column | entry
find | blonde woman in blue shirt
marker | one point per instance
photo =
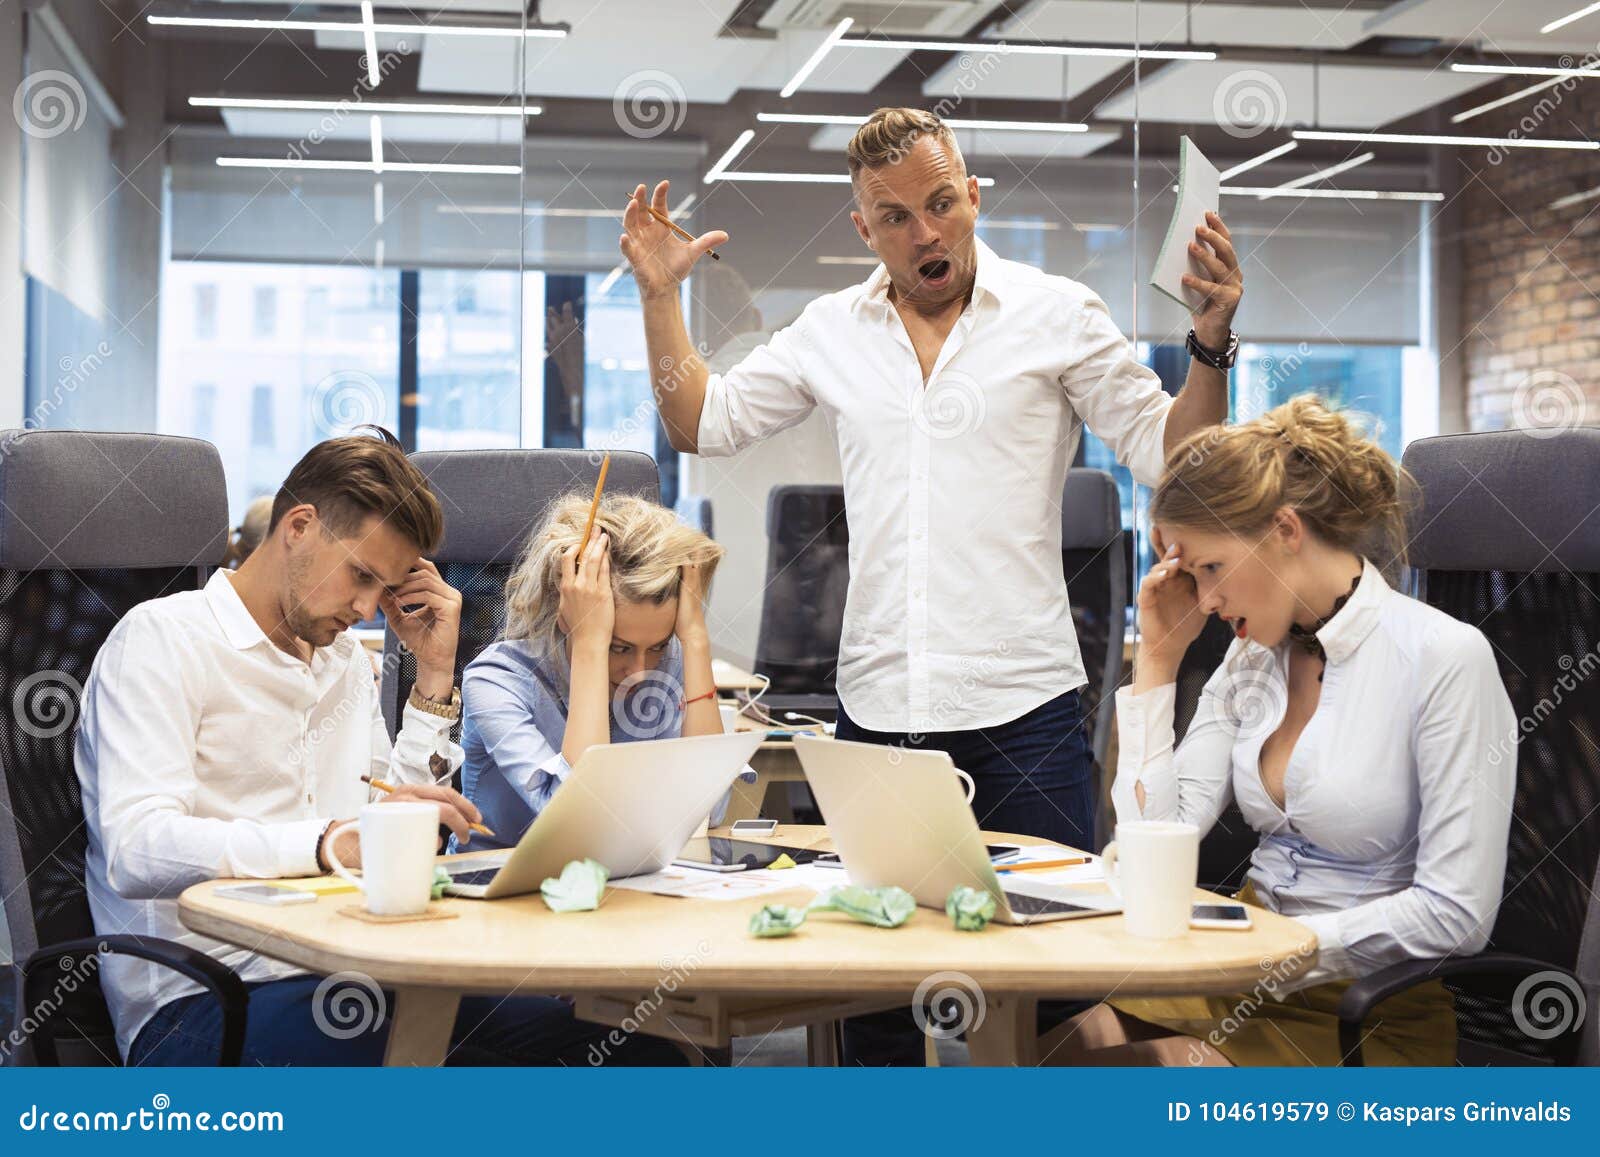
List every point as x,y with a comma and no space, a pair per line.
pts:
609,646
1359,731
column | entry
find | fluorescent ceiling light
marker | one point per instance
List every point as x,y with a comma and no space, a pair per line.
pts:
1437,139
1526,70
1012,223
1333,194
1501,102
377,202
363,166
815,58
1002,48
346,104
795,118
1323,174
259,24
1569,18
825,260
803,178
1246,166
369,41
377,144
1575,198
726,159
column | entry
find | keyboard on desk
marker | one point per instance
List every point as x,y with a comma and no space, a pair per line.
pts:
1024,905
476,871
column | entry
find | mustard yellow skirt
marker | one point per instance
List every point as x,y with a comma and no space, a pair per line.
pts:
1417,1027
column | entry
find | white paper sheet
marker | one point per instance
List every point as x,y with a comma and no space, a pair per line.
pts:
699,884
1197,193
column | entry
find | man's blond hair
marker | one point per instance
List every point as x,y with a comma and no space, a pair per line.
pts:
890,133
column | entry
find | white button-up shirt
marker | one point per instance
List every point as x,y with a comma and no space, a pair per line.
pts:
957,614
1391,843
205,751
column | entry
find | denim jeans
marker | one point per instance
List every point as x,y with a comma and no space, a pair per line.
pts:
1033,776
289,1023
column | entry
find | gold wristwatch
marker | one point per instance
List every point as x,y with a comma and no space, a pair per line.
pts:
444,708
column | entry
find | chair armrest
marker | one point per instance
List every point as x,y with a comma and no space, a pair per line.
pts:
217,978
1367,993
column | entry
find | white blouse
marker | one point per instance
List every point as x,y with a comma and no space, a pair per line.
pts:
1392,841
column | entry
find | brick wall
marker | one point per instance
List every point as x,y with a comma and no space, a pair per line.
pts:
1530,275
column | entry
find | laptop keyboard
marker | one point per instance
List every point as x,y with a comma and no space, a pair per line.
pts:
1025,905
473,879
475,872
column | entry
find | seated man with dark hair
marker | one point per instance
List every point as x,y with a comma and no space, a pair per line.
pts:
225,733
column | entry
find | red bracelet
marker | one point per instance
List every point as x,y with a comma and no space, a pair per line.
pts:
711,694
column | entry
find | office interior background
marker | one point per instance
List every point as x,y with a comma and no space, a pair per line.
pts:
264,236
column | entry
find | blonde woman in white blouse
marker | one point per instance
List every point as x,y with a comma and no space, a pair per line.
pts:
1359,731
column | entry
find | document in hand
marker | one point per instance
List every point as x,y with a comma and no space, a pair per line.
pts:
1197,193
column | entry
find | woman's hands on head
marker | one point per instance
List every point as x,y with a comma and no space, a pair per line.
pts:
587,612
1170,617
691,624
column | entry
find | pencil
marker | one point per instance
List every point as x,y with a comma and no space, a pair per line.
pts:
386,788
600,485
1037,865
678,229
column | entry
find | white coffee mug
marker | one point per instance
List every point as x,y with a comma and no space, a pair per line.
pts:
1152,867
398,843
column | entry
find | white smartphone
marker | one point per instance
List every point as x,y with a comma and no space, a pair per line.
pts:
1229,915
754,827
271,894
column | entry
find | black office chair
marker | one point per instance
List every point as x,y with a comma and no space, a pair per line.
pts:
1094,561
492,499
90,525
1508,539
802,603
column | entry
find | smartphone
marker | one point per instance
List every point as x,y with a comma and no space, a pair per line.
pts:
274,895
1235,916
754,827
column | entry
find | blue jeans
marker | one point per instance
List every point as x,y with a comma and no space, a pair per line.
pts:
289,1024
1033,776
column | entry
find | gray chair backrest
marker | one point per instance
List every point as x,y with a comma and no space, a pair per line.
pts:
1507,538
492,499
91,524
803,598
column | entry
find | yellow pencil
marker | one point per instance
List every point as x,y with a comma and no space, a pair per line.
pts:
678,229
594,507
386,788
1039,865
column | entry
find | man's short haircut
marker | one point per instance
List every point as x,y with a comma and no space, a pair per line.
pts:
890,133
352,479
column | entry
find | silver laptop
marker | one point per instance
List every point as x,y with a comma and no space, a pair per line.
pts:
631,806
901,817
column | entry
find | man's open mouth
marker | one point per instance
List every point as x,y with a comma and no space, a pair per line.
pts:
935,272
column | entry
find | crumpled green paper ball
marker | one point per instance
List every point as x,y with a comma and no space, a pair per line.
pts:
776,920
886,907
970,909
440,879
579,888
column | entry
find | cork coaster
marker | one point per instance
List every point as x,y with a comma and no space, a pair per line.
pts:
432,912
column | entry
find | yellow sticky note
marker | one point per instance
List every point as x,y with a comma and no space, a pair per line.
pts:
783,861
321,885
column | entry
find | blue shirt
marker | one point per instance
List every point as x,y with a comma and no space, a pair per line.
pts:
514,706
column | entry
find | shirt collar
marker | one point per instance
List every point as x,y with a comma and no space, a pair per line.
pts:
239,626
1342,634
988,279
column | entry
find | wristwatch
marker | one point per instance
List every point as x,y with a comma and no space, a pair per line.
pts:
1222,360
444,708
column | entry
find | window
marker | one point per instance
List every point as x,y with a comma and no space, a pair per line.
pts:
203,410
317,311
619,408
266,311
470,371
261,433
205,312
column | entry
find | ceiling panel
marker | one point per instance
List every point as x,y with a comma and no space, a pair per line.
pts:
1283,95
1500,26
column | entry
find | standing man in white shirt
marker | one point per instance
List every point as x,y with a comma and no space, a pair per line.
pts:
225,732
956,384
